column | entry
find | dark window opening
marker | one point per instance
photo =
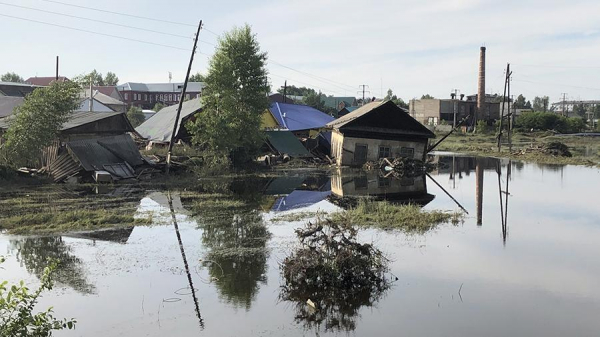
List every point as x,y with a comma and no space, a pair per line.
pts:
407,152
384,152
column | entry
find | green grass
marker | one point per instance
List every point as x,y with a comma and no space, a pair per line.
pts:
298,216
384,215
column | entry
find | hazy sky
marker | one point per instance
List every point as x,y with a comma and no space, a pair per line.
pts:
413,47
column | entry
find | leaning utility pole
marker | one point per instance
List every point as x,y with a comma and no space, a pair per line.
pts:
183,93
503,104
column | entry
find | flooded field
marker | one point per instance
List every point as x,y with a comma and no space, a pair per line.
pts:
205,259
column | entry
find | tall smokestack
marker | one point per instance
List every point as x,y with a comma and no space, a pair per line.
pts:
481,87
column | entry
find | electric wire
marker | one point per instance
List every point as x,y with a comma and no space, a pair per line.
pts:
98,33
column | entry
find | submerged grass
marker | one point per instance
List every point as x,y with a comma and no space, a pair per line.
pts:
384,215
298,216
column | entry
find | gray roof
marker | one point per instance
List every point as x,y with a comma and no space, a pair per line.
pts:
160,126
77,119
100,97
363,110
93,154
160,87
8,104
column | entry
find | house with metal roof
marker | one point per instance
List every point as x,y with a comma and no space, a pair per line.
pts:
146,95
159,128
377,130
298,118
45,81
110,102
8,105
16,89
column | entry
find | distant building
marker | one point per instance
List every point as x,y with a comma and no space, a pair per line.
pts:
346,110
565,107
434,111
377,130
108,101
146,95
339,103
45,81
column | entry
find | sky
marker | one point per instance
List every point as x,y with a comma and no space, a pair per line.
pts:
413,47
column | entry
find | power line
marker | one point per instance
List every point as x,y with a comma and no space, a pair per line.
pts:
100,21
304,83
558,84
97,33
319,78
118,13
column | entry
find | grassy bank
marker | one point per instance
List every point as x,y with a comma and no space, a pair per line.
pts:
388,216
585,150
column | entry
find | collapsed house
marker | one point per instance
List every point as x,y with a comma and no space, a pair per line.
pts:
377,130
283,122
90,145
158,129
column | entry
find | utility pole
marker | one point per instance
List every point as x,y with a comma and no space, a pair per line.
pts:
56,78
503,104
364,87
183,93
564,104
284,91
454,95
91,95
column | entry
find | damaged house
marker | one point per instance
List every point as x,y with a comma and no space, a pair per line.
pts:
377,130
295,129
90,145
159,128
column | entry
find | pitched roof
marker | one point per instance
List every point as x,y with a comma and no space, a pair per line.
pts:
44,81
285,142
16,89
108,90
332,102
295,117
101,97
387,117
76,119
160,87
8,104
160,127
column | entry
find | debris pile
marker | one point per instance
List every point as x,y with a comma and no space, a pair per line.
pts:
335,274
556,149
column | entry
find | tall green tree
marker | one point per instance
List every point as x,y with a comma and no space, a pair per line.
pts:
293,90
520,102
234,99
136,116
197,78
541,103
11,77
36,123
427,96
111,79
395,99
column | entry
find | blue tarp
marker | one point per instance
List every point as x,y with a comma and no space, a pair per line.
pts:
296,117
299,199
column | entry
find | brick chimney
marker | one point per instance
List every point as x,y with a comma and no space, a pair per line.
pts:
481,87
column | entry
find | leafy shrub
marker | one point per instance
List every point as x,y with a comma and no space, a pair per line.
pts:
549,121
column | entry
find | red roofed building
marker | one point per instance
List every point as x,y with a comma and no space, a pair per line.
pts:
44,81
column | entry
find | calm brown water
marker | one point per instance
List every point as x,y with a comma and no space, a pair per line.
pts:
538,275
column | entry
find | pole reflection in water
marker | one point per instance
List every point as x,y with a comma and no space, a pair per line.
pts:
479,190
504,202
448,194
185,263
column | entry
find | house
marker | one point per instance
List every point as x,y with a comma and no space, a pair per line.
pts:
109,90
346,110
159,128
377,130
299,119
146,95
107,101
44,81
16,89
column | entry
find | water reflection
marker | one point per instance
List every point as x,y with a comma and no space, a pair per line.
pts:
35,252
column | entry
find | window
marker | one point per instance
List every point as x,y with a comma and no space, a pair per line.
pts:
383,182
187,97
145,97
407,152
126,96
361,183
170,97
384,152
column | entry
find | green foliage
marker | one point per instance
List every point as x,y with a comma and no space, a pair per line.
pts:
482,127
521,103
234,99
541,103
11,77
158,106
96,78
395,99
579,110
17,303
549,121
136,116
297,91
427,96
111,79
197,78
37,122
314,100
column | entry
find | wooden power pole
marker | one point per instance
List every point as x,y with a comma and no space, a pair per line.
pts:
183,93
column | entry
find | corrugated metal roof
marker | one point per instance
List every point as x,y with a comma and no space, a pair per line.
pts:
44,81
94,154
160,87
285,142
160,127
388,118
100,97
77,119
8,104
124,147
295,117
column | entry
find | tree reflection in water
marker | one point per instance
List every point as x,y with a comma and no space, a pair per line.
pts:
34,254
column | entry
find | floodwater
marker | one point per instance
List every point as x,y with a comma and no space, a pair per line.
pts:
524,266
